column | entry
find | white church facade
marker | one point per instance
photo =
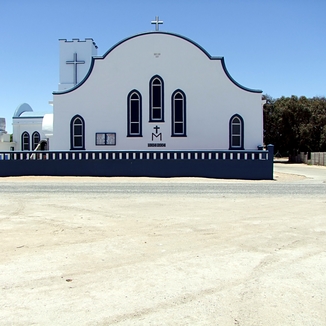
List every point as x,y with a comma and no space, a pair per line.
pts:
154,95
151,90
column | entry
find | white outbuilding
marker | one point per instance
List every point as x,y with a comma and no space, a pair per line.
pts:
28,134
6,143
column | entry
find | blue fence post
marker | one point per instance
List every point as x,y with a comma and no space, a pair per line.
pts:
270,149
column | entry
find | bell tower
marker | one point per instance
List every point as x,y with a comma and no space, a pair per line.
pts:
75,61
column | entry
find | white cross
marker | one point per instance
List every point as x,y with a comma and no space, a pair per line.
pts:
75,63
157,22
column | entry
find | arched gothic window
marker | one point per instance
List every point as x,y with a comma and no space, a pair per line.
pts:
35,139
77,133
25,141
134,114
156,99
178,114
236,132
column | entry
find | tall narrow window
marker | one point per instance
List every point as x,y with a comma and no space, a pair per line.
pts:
134,114
236,132
25,141
77,132
156,99
35,139
178,114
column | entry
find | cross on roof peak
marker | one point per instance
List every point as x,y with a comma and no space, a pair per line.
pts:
157,22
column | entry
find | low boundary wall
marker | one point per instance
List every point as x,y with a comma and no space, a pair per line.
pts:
313,158
255,165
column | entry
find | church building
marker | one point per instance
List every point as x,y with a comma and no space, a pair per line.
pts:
154,92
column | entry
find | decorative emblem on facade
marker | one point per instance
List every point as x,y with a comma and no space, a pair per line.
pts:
158,137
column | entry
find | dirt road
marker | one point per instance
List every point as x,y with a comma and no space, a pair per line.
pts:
87,257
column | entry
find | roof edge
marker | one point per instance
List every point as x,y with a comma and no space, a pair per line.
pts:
235,82
155,32
24,107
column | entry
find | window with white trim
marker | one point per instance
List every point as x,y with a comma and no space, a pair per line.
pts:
178,114
156,105
25,141
35,139
236,132
77,132
134,114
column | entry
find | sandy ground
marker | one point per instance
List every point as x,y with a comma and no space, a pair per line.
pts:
161,259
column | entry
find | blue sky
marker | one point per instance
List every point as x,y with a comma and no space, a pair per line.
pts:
278,46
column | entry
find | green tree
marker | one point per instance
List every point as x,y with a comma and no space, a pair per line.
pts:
318,124
271,123
295,124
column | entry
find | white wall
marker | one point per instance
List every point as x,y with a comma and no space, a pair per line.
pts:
211,97
5,143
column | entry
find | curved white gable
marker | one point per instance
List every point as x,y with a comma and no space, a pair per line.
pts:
172,36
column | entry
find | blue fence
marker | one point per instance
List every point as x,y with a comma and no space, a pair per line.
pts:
255,164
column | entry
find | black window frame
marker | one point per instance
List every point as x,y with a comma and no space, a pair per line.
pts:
239,134
73,134
106,138
26,146
153,86
35,143
130,118
174,122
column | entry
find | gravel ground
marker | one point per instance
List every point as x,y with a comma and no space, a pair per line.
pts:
148,251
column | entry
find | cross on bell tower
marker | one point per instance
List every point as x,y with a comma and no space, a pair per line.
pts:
75,62
157,22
